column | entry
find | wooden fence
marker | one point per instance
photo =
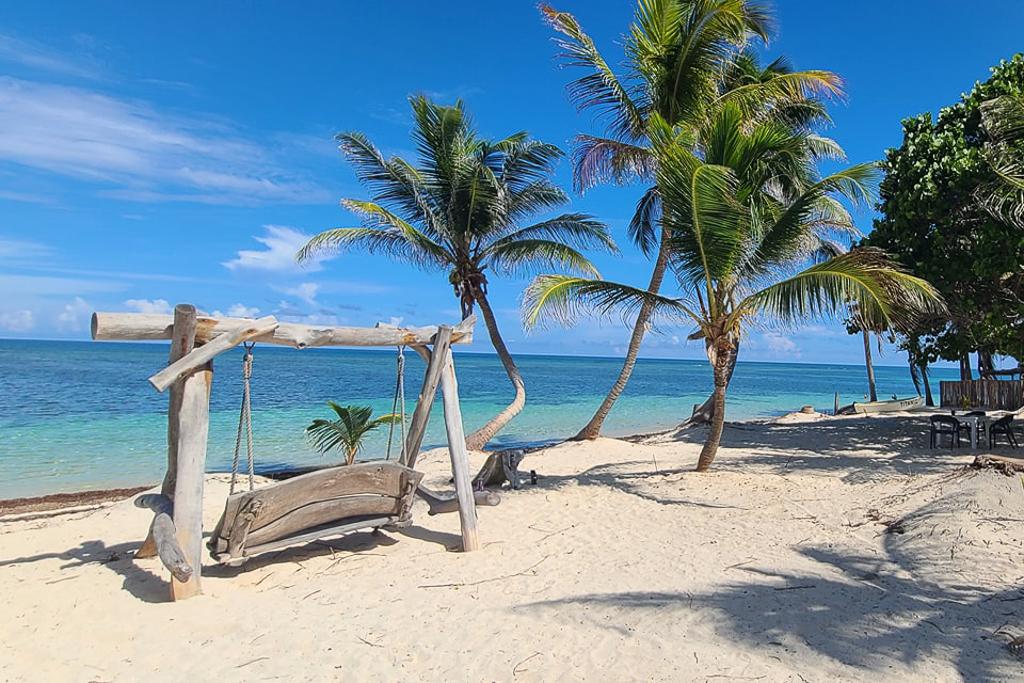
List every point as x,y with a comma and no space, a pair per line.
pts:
982,393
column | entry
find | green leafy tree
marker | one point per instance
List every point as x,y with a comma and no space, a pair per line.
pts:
464,208
949,214
685,59
739,245
346,433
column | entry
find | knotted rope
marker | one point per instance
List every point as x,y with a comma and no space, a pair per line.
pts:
399,400
244,421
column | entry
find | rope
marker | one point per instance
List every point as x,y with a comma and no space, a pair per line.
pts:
399,398
244,421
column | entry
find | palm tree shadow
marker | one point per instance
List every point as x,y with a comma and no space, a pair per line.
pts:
143,584
866,620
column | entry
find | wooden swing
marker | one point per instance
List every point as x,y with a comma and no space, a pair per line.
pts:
322,504
310,506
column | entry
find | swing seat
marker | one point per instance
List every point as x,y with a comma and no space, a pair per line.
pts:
322,504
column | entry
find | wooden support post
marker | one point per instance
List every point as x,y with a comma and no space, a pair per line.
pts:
459,454
431,378
183,336
193,420
164,535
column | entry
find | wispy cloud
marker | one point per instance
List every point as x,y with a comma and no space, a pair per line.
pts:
16,251
281,244
145,154
39,57
12,286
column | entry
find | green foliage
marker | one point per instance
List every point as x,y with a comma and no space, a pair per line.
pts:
346,433
938,220
464,206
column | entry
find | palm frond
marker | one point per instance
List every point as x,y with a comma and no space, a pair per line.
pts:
385,233
574,229
598,160
531,255
864,277
643,226
563,299
601,88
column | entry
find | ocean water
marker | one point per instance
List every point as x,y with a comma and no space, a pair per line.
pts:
81,415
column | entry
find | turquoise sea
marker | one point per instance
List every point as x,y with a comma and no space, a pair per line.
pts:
81,415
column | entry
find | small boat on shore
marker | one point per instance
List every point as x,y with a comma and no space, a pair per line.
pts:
892,406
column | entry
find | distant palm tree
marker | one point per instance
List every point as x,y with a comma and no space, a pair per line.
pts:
347,432
463,208
738,242
685,59
1003,119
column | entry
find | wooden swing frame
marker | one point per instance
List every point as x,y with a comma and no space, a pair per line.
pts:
176,534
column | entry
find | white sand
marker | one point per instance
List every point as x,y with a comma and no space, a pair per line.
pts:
621,565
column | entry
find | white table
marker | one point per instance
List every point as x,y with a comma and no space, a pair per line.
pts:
975,422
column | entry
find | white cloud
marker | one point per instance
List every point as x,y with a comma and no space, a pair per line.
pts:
396,320
74,315
154,306
242,311
780,343
36,56
145,154
17,321
282,243
305,291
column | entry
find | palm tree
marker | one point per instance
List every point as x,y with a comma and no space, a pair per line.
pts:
463,209
684,59
745,215
1003,119
347,432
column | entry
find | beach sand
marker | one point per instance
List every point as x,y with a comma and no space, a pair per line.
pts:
817,549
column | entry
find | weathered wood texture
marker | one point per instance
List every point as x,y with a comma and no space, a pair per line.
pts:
208,351
442,503
194,422
164,536
321,499
1008,466
431,379
459,455
140,327
982,393
182,342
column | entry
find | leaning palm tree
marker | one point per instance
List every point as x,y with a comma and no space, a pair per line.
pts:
739,246
346,433
685,59
464,208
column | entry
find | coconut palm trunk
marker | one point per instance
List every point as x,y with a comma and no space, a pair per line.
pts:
705,412
593,428
720,353
872,393
478,439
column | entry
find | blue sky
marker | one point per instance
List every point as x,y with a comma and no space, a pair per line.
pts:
151,154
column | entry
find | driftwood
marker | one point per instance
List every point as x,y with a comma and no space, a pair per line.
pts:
164,535
193,419
1008,466
318,502
442,503
431,379
207,352
182,341
459,454
141,327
